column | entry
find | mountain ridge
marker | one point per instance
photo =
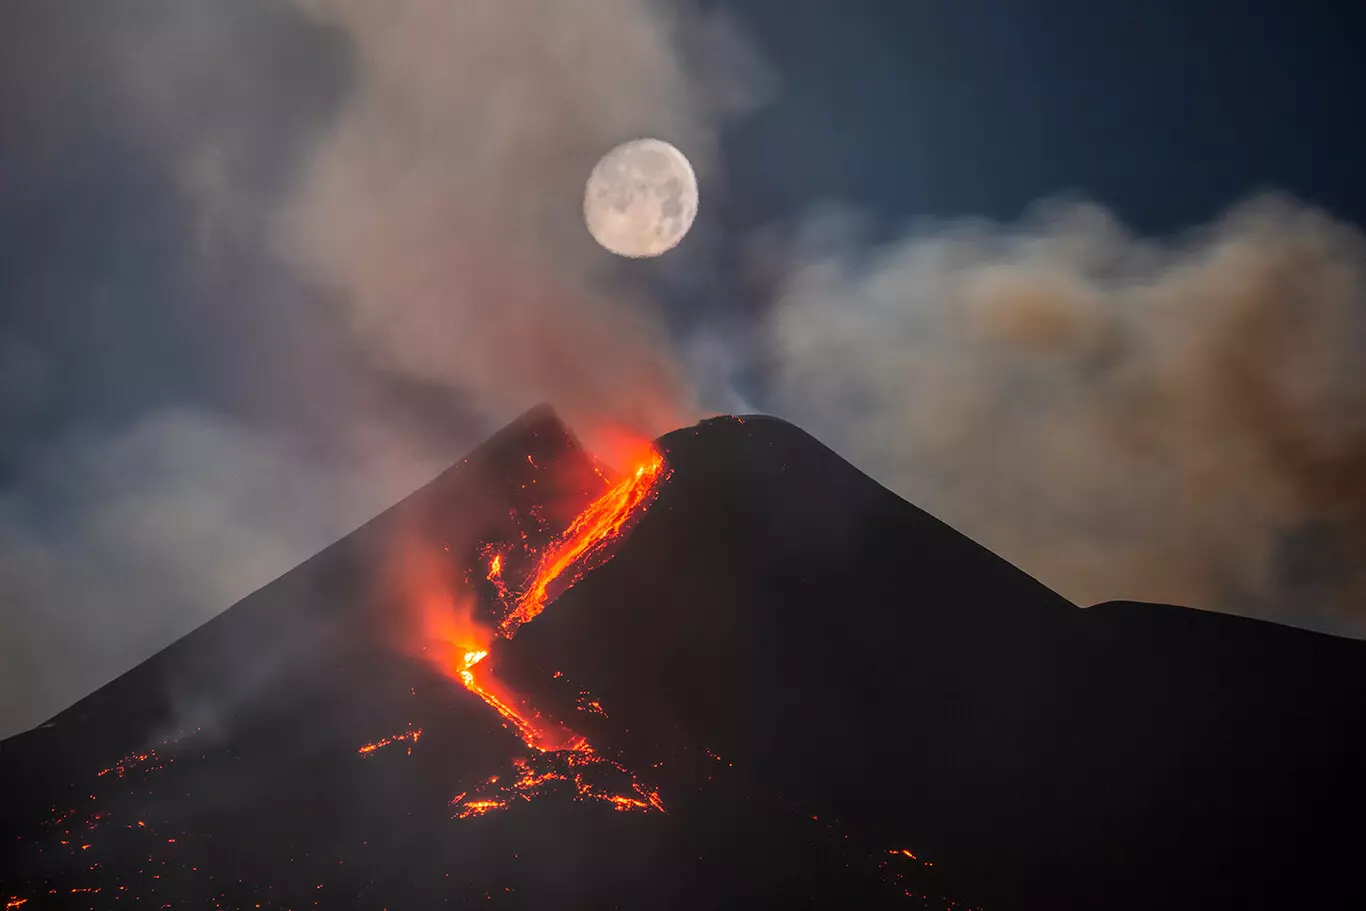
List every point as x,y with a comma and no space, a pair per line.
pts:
783,646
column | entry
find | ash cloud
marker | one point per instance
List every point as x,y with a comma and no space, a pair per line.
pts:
119,545
443,207
317,251
271,266
1179,420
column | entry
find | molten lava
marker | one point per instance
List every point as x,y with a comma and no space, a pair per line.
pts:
412,735
495,556
581,774
561,759
595,527
539,736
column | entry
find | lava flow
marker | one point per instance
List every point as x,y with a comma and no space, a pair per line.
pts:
412,735
562,760
594,528
534,731
581,773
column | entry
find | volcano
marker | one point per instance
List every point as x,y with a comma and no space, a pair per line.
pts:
736,673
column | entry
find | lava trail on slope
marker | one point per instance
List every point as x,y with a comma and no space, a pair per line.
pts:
558,756
336,738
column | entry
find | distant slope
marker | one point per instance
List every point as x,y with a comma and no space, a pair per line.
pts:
845,649
842,702
294,752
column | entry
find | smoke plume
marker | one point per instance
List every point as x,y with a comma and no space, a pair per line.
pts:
1176,421
444,205
318,250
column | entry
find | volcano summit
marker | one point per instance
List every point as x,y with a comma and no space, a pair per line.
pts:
736,673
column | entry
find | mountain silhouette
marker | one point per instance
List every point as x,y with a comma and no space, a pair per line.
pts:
799,690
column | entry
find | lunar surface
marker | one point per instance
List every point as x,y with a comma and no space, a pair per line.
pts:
641,198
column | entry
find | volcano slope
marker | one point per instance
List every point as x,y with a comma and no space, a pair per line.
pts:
841,647
337,740
799,690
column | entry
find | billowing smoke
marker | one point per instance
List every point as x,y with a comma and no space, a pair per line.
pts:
444,206
278,264
319,250
122,544
1180,421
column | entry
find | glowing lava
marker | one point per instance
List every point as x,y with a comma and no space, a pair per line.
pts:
537,736
581,773
412,734
594,528
495,571
131,761
561,759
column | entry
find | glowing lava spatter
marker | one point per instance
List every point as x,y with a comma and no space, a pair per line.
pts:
594,528
412,734
582,774
495,556
131,761
561,759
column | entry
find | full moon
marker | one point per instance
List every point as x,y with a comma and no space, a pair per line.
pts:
641,198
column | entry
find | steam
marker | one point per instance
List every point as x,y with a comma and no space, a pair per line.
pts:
1177,421
444,207
120,545
379,258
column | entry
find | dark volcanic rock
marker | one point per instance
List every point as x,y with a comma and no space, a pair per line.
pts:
226,771
847,650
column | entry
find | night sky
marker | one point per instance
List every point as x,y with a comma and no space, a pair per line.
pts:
187,411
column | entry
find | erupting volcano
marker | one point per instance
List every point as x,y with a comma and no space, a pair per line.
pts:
465,644
595,528
539,682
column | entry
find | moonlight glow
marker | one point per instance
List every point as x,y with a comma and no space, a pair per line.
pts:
641,198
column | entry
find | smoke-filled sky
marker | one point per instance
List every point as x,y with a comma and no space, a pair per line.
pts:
1087,284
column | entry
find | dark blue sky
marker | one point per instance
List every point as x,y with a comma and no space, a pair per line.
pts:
1164,111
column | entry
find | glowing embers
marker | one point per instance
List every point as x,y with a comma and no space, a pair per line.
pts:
129,762
581,774
560,760
595,527
411,736
479,808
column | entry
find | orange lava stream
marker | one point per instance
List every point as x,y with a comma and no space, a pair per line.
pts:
597,525
412,734
534,736
562,759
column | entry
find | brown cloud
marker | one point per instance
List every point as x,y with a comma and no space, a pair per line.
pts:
443,207
1177,421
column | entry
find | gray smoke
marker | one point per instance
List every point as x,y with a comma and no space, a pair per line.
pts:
444,206
334,243
380,259
119,545
1176,420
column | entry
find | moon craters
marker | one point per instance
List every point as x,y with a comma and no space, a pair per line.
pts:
641,198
